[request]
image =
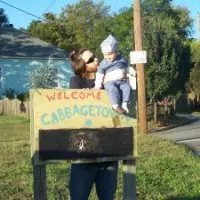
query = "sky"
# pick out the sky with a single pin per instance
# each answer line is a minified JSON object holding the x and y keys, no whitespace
{"x":39,"y":7}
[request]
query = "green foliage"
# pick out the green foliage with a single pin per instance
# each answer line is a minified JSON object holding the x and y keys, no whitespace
{"x":10,"y":93}
{"x":121,"y":25}
{"x":194,"y":80}
{"x":158,"y":6}
{"x":44,"y":76}
{"x":23,"y":96}
{"x":165,"y":34}
{"x":3,"y":18}
{"x":79,"y":25}
{"x":195,"y":50}
{"x":86,"y":21}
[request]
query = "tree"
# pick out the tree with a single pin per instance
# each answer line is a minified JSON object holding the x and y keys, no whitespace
{"x":121,"y":25}
{"x":166,"y":29}
{"x":79,"y":25}
{"x":3,"y":18}
{"x":194,"y":80}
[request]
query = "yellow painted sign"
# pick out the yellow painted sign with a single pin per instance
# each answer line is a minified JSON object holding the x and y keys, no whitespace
{"x":74,"y":109}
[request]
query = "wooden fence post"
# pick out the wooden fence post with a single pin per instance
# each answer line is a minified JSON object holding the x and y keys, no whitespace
{"x":174,"y":105}
{"x":1,"y":107}
{"x":166,"y":109}
{"x":129,"y":179}
{"x":5,"y":106}
{"x":2,"y":104}
{"x":39,"y":182}
{"x":16,"y":103}
{"x":155,"y":112}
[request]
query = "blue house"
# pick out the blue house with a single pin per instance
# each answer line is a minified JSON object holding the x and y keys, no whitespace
{"x":21,"y":54}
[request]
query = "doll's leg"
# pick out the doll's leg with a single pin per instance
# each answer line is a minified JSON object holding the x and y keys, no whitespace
{"x":114,"y":95}
{"x":126,"y":94}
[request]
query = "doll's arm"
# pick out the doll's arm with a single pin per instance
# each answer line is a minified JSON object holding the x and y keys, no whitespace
{"x":99,"y":80}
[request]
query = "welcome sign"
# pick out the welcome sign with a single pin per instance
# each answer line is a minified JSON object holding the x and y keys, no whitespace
{"x":79,"y":124}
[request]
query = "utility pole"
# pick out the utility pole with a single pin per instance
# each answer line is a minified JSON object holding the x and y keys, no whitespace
{"x":198,"y":25}
{"x":141,"y":90}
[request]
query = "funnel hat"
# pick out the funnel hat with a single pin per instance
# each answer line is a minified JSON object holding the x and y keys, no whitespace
{"x":109,"y":45}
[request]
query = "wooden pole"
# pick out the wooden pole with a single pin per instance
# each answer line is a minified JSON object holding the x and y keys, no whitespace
{"x":39,"y":178}
{"x":155,"y":112}
{"x":142,"y":110}
{"x":129,"y":180}
{"x":16,"y":103}
{"x":198,"y":25}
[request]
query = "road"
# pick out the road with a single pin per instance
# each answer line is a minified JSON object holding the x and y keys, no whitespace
{"x":187,"y":134}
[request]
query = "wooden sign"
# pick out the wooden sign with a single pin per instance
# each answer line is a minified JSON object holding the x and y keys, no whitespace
{"x":79,"y":125}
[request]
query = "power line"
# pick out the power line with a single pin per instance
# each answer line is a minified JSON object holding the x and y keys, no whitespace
{"x":198,"y":26}
{"x":50,"y":5}
{"x":24,"y":11}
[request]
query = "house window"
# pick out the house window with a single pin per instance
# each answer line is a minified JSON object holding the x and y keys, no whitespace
{"x":1,"y":78}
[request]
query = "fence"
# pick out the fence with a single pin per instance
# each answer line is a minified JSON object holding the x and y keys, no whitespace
{"x":157,"y":109}
{"x":14,"y":107}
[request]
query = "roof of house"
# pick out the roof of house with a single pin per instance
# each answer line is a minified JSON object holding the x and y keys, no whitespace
{"x":14,"y":43}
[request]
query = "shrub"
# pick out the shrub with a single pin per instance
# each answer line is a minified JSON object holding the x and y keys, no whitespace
{"x":23,"y":96}
{"x":10,"y":93}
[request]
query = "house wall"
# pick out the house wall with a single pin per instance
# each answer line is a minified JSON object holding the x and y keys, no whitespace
{"x":16,"y":72}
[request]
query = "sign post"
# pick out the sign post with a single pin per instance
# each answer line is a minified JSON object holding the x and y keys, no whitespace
{"x":141,"y":90}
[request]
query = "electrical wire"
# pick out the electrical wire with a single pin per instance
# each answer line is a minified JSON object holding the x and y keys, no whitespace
{"x":50,"y":6}
{"x":24,"y":11}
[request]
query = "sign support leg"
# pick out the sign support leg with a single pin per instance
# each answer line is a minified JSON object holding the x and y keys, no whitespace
{"x":39,"y":179}
{"x":129,"y":180}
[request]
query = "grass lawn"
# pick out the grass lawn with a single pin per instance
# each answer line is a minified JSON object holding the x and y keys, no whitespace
{"x":164,"y":170}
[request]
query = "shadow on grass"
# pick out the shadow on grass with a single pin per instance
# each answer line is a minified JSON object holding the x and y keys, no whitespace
{"x":184,"y":198}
